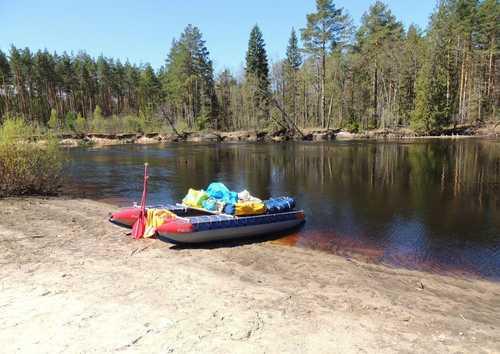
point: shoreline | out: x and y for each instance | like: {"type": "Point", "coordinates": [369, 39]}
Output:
{"type": "Point", "coordinates": [310, 134]}
{"type": "Point", "coordinates": [148, 296]}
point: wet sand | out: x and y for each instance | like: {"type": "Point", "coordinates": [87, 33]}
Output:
{"type": "Point", "coordinates": [72, 282]}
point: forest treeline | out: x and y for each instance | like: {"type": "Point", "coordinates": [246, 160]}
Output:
{"type": "Point", "coordinates": [377, 75]}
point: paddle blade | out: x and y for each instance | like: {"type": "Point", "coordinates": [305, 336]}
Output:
{"type": "Point", "coordinates": [139, 227]}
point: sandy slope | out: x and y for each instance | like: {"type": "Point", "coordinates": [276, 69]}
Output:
{"type": "Point", "coordinates": [72, 282]}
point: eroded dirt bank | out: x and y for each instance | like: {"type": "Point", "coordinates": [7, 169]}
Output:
{"type": "Point", "coordinates": [72, 282]}
{"type": "Point", "coordinates": [308, 134]}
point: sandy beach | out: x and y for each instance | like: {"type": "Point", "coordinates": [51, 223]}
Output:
{"type": "Point", "coordinates": [72, 282]}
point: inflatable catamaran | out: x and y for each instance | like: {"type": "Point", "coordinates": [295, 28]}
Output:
{"type": "Point", "coordinates": [214, 214]}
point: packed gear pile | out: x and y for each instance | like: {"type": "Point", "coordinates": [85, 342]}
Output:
{"type": "Point", "coordinates": [218, 198]}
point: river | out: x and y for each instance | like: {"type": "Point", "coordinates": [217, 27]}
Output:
{"type": "Point", "coordinates": [430, 205]}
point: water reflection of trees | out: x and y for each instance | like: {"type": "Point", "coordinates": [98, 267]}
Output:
{"type": "Point", "coordinates": [465, 169]}
{"type": "Point", "coordinates": [452, 172]}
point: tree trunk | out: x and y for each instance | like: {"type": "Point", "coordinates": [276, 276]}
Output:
{"type": "Point", "coordinates": [375, 95]}
{"type": "Point", "coordinates": [305, 104]}
{"type": "Point", "coordinates": [461, 89]}
{"type": "Point", "coordinates": [329, 112]}
{"type": "Point", "coordinates": [323, 80]}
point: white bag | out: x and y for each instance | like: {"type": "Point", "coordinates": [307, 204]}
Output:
{"type": "Point", "coordinates": [245, 196]}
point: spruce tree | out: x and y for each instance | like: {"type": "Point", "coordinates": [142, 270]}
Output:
{"type": "Point", "coordinates": [293, 56]}
{"type": "Point", "coordinates": [257, 73]}
{"type": "Point", "coordinates": [291, 68]}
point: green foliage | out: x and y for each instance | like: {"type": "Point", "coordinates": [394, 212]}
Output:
{"type": "Point", "coordinates": [149, 89]}
{"type": "Point", "coordinates": [378, 26]}
{"type": "Point", "coordinates": [27, 167]}
{"type": "Point", "coordinates": [352, 127]}
{"type": "Point", "coordinates": [421, 119]}
{"type": "Point", "coordinates": [98, 123]}
{"type": "Point", "coordinates": [431, 111]}
{"type": "Point", "coordinates": [202, 121]}
{"type": "Point", "coordinates": [80, 125]}
{"type": "Point", "coordinates": [142, 123]}
{"type": "Point", "coordinates": [133, 124]}
{"type": "Point", "coordinates": [411, 57]}
{"type": "Point", "coordinates": [69, 120]}
{"type": "Point", "coordinates": [53, 122]}
{"type": "Point", "coordinates": [14, 129]}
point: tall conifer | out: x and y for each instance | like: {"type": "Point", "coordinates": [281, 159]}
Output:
{"type": "Point", "coordinates": [326, 30]}
{"type": "Point", "coordinates": [257, 73]}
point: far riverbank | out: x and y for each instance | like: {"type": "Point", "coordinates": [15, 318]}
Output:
{"type": "Point", "coordinates": [310, 134]}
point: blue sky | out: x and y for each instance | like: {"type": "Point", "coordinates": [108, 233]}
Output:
{"type": "Point", "coordinates": [142, 31]}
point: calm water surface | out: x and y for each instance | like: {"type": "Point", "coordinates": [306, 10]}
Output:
{"type": "Point", "coordinates": [429, 205]}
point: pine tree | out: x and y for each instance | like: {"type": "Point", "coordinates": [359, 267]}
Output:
{"type": "Point", "coordinates": [132, 79]}
{"type": "Point", "coordinates": [257, 74]}
{"type": "Point", "coordinates": [5, 84]}
{"type": "Point", "coordinates": [20, 68]}
{"type": "Point", "coordinates": [488, 29]}
{"type": "Point", "coordinates": [104, 79]}
{"type": "Point", "coordinates": [327, 29]}
{"type": "Point", "coordinates": [118, 85]}
{"type": "Point", "coordinates": [225, 83]}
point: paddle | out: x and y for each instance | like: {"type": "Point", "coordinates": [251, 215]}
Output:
{"type": "Point", "coordinates": [140, 225]}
